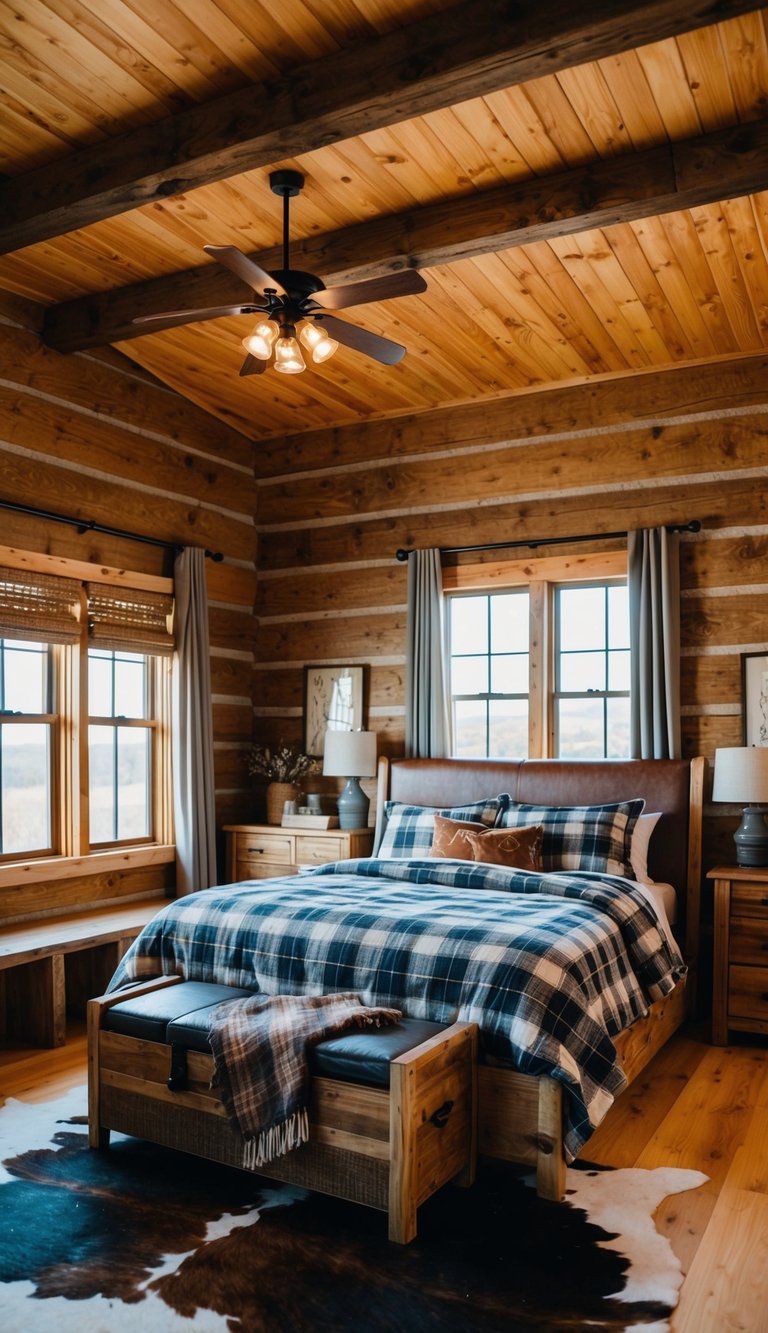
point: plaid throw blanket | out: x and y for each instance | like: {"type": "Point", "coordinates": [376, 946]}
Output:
{"type": "Point", "coordinates": [260, 1047]}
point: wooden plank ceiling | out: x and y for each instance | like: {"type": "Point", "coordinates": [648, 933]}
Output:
{"type": "Point", "coordinates": [585, 196]}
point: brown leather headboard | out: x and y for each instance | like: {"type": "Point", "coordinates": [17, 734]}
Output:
{"type": "Point", "coordinates": [664, 783]}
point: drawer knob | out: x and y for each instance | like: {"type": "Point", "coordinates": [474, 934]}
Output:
{"type": "Point", "coordinates": [255, 849]}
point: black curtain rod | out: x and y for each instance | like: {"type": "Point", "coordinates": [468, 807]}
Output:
{"type": "Point", "coordinates": [84, 525]}
{"type": "Point", "coordinates": [693, 526]}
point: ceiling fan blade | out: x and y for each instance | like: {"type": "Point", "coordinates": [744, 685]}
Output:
{"type": "Point", "coordinates": [245, 268]}
{"type": "Point", "coordinates": [252, 365]}
{"type": "Point", "coordinates": [169, 318]}
{"type": "Point", "coordinates": [360, 340]}
{"type": "Point", "coordinates": [405, 283]}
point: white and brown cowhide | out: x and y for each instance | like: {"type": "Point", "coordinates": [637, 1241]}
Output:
{"type": "Point", "coordinates": [140, 1237]}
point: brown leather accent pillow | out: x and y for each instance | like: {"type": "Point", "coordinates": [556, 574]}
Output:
{"type": "Point", "coordinates": [517, 848]}
{"type": "Point", "coordinates": [451, 838]}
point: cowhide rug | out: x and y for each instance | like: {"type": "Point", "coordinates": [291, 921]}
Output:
{"type": "Point", "coordinates": [141, 1238]}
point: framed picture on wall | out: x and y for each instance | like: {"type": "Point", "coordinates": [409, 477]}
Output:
{"type": "Point", "coordinates": [333, 701]}
{"type": "Point", "coordinates": [754, 696]}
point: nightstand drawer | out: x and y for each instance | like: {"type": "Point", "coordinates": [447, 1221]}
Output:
{"type": "Point", "coordinates": [749, 898]}
{"type": "Point", "coordinates": [311, 850]}
{"type": "Point", "coordinates": [748, 993]}
{"type": "Point", "coordinates": [274, 847]}
{"type": "Point", "coordinates": [748, 942]}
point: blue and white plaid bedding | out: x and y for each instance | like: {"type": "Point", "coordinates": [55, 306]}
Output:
{"type": "Point", "coordinates": [549, 966]}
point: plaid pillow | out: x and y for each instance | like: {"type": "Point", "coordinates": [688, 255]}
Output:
{"type": "Point", "coordinates": [581, 837]}
{"type": "Point", "coordinates": [409, 829]}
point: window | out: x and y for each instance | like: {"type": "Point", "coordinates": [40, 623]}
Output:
{"type": "Point", "coordinates": [489, 674]}
{"type": "Point", "coordinates": [28, 736]}
{"type": "Point", "coordinates": [542, 667]}
{"type": "Point", "coordinates": [84, 714]}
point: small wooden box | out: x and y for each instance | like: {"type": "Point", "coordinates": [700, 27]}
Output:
{"type": "Point", "coordinates": [387, 1148]}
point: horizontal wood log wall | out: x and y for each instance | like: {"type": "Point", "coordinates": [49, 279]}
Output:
{"type": "Point", "coordinates": [92, 436]}
{"type": "Point", "coordinates": [334, 505]}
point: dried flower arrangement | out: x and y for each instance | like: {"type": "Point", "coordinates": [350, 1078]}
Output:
{"type": "Point", "coordinates": [284, 763]}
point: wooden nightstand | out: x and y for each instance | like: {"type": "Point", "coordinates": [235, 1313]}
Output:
{"type": "Point", "coordinates": [740, 976]}
{"type": "Point", "coordinates": [259, 851]}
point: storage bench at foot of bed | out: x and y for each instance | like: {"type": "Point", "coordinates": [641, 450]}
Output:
{"type": "Point", "coordinates": [389, 1146]}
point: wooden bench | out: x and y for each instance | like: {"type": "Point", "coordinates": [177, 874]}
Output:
{"type": "Point", "coordinates": [392, 1116]}
{"type": "Point", "coordinates": [57, 963]}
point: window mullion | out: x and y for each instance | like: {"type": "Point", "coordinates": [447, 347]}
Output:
{"type": "Point", "coordinates": [538, 669]}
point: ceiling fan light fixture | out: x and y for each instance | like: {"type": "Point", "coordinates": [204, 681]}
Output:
{"type": "Point", "coordinates": [320, 344]}
{"type": "Point", "coordinates": [259, 343]}
{"type": "Point", "coordinates": [288, 358]}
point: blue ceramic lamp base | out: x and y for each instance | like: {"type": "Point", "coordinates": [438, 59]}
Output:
{"type": "Point", "coordinates": [353, 805]}
{"type": "Point", "coordinates": [751, 837]}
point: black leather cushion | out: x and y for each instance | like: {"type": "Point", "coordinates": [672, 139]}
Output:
{"type": "Point", "coordinates": [191, 1030]}
{"type": "Point", "coordinates": [148, 1015]}
{"type": "Point", "coordinates": [363, 1055]}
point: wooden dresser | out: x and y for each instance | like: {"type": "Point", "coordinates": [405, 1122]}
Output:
{"type": "Point", "coordinates": [259, 851]}
{"type": "Point", "coordinates": [740, 973]}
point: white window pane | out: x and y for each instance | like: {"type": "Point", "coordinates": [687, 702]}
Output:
{"type": "Point", "coordinates": [582, 671]}
{"type": "Point", "coordinates": [469, 729]}
{"type": "Point", "coordinates": [580, 728]}
{"type": "Point", "coordinates": [618, 729]}
{"type": "Point", "coordinates": [618, 671]}
{"type": "Point", "coordinates": [103, 793]}
{"type": "Point", "coordinates": [469, 624]}
{"type": "Point", "coordinates": [509, 623]}
{"type": "Point", "coordinates": [26, 794]}
{"type": "Point", "coordinates": [469, 675]}
{"type": "Point", "coordinates": [133, 783]}
{"type": "Point", "coordinates": [130, 686]}
{"type": "Point", "coordinates": [25, 677]}
{"type": "Point", "coordinates": [618, 617]}
{"type": "Point", "coordinates": [509, 674]}
{"type": "Point", "coordinates": [100, 684]}
{"type": "Point", "coordinates": [582, 618]}
{"type": "Point", "coordinates": [508, 728]}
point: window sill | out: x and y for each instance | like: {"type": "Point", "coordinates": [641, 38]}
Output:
{"type": "Point", "coordinates": [74, 867]}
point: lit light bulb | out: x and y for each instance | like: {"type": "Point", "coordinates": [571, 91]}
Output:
{"type": "Point", "coordinates": [288, 358]}
{"type": "Point", "coordinates": [318, 341]}
{"type": "Point", "coordinates": [259, 342]}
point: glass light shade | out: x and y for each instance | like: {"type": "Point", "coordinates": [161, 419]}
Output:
{"type": "Point", "coordinates": [321, 345]}
{"type": "Point", "coordinates": [259, 342]}
{"type": "Point", "coordinates": [288, 358]}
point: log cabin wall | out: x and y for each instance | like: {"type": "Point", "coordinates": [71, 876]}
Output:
{"type": "Point", "coordinates": [636, 451]}
{"type": "Point", "coordinates": [93, 436]}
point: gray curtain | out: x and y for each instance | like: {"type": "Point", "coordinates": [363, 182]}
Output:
{"type": "Point", "coordinates": [427, 717]}
{"type": "Point", "coordinates": [654, 631]}
{"type": "Point", "coordinates": [193, 778]}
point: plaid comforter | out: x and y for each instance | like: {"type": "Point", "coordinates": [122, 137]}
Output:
{"type": "Point", "coordinates": [550, 966]}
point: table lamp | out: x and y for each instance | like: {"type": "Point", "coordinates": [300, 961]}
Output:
{"type": "Point", "coordinates": [741, 776]}
{"type": "Point", "coordinates": [351, 755]}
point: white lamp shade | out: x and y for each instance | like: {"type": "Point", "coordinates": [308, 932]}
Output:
{"type": "Point", "coordinates": [349, 754]}
{"type": "Point", "coordinates": [741, 775]}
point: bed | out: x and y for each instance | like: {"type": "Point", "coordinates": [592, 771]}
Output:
{"type": "Point", "coordinates": [453, 939]}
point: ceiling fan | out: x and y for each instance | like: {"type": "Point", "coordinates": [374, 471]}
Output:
{"type": "Point", "coordinates": [289, 298]}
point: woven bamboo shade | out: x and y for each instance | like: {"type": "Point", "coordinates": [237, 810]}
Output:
{"type": "Point", "coordinates": [129, 619]}
{"type": "Point", "coordinates": [39, 606]}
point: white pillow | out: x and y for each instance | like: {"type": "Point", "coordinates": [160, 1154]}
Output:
{"type": "Point", "coordinates": [638, 851]}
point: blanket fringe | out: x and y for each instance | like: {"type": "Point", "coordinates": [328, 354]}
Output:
{"type": "Point", "coordinates": [275, 1142]}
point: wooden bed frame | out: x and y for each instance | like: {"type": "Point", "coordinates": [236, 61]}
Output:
{"type": "Point", "coordinates": [521, 1116]}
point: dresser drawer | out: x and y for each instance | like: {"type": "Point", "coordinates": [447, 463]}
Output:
{"type": "Point", "coordinates": [749, 898]}
{"type": "Point", "coordinates": [748, 993]}
{"type": "Point", "coordinates": [748, 942]}
{"type": "Point", "coordinates": [274, 847]}
{"type": "Point", "coordinates": [311, 850]}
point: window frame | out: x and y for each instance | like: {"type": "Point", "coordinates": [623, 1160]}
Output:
{"type": "Point", "coordinates": [540, 576]}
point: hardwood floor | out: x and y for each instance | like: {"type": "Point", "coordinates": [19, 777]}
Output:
{"type": "Point", "coordinates": [696, 1106]}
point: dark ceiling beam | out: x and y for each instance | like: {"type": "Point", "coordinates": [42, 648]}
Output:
{"type": "Point", "coordinates": [466, 52]}
{"type": "Point", "coordinates": [727, 164]}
